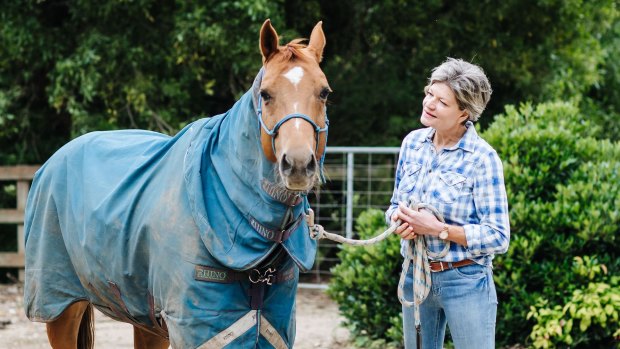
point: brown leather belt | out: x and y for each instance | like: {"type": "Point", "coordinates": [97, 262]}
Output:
{"type": "Point", "coordinates": [437, 266]}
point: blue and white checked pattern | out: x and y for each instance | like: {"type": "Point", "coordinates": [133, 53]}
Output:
{"type": "Point", "coordinates": [465, 183]}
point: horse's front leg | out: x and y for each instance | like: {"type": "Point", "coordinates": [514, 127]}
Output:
{"type": "Point", "coordinates": [146, 340]}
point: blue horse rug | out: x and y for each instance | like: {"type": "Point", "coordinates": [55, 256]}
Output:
{"type": "Point", "coordinates": [187, 229]}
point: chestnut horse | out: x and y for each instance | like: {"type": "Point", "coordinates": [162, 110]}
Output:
{"type": "Point", "coordinates": [85, 236]}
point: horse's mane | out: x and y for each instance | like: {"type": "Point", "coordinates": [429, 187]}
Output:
{"type": "Point", "coordinates": [292, 51]}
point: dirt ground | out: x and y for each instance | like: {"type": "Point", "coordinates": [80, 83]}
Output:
{"type": "Point", "coordinates": [317, 324]}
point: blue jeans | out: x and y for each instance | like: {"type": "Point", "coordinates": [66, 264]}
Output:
{"type": "Point", "coordinates": [464, 299]}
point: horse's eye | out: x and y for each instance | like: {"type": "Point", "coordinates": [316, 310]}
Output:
{"type": "Point", "coordinates": [324, 93]}
{"type": "Point", "coordinates": [265, 96]}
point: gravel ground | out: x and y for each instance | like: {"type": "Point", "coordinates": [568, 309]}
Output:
{"type": "Point", "coordinates": [317, 324]}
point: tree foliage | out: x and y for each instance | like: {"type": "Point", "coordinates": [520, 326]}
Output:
{"type": "Point", "coordinates": [72, 67]}
{"type": "Point", "coordinates": [381, 55]}
{"type": "Point", "coordinates": [67, 68]}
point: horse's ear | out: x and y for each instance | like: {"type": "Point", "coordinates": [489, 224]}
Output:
{"type": "Point", "coordinates": [268, 40]}
{"type": "Point", "coordinates": [317, 41]}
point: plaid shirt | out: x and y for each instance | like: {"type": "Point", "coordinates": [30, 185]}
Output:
{"type": "Point", "coordinates": [465, 183]}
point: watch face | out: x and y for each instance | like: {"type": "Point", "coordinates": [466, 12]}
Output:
{"type": "Point", "coordinates": [443, 235]}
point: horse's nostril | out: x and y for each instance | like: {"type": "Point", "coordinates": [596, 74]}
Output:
{"type": "Point", "coordinates": [291, 166]}
{"type": "Point", "coordinates": [285, 166]}
{"type": "Point", "coordinates": [311, 167]}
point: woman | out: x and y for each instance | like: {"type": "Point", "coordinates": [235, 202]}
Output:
{"type": "Point", "coordinates": [448, 166]}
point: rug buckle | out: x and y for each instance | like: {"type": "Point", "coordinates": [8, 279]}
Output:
{"type": "Point", "coordinates": [268, 276]}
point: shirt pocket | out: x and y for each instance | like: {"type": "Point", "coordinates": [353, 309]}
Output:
{"type": "Point", "coordinates": [449, 186]}
{"type": "Point", "coordinates": [411, 170]}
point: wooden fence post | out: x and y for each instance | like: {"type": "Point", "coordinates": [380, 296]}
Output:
{"type": "Point", "coordinates": [22, 175]}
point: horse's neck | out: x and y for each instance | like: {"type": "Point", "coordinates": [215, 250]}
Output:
{"type": "Point", "coordinates": [242, 140]}
{"type": "Point", "coordinates": [237, 159]}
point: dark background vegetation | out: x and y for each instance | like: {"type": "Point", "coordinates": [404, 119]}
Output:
{"type": "Point", "coordinates": [69, 67]}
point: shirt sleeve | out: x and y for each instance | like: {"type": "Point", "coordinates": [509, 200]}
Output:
{"type": "Point", "coordinates": [492, 234]}
{"type": "Point", "coordinates": [397, 178]}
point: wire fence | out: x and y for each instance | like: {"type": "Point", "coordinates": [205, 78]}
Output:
{"type": "Point", "coordinates": [358, 179]}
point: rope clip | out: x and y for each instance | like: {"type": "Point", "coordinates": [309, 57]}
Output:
{"type": "Point", "coordinates": [268, 276]}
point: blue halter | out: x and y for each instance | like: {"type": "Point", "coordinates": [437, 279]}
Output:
{"type": "Point", "coordinates": [274, 131]}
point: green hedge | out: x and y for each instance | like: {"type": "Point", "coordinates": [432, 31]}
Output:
{"type": "Point", "coordinates": [562, 182]}
{"type": "Point", "coordinates": [364, 285]}
{"type": "Point", "coordinates": [555, 284]}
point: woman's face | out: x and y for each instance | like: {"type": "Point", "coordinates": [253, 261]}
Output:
{"type": "Point", "coordinates": [440, 109]}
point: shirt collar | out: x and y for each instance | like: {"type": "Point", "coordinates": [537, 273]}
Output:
{"type": "Point", "coordinates": [466, 142]}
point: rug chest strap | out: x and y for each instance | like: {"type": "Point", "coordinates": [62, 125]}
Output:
{"type": "Point", "coordinates": [276, 235]}
{"type": "Point", "coordinates": [280, 194]}
{"type": "Point", "coordinates": [227, 276]}
{"type": "Point", "coordinates": [259, 278]}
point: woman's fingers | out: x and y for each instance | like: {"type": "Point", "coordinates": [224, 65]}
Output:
{"type": "Point", "coordinates": [404, 216]}
{"type": "Point", "coordinates": [405, 213]}
{"type": "Point", "coordinates": [405, 209]}
{"type": "Point", "coordinates": [408, 234]}
{"type": "Point", "coordinates": [405, 231]}
{"type": "Point", "coordinates": [401, 228]}
{"type": "Point", "coordinates": [395, 216]}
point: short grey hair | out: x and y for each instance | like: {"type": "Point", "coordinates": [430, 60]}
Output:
{"type": "Point", "coordinates": [468, 82]}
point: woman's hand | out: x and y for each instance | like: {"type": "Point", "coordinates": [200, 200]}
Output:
{"type": "Point", "coordinates": [403, 230]}
{"type": "Point", "coordinates": [422, 222]}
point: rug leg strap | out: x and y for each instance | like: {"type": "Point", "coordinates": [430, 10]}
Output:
{"type": "Point", "coordinates": [271, 334]}
{"type": "Point", "coordinates": [233, 332]}
{"type": "Point", "coordinates": [240, 327]}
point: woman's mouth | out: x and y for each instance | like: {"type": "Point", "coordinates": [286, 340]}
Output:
{"type": "Point", "coordinates": [428, 115]}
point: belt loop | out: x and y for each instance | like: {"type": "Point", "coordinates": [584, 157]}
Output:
{"type": "Point", "coordinates": [441, 265]}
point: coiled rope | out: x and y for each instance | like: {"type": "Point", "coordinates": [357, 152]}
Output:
{"type": "Point", "coordinates": [417, 254]}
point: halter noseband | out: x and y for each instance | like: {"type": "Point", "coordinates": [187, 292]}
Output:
{"type": "Point", "coordinates": [274, 131]}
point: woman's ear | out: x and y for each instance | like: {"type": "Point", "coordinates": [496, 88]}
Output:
{"type": "Point", "coordinates": [464, 117]}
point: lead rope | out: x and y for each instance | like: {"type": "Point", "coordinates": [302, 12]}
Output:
{"type": "Point", "coordinates": [417, 254]}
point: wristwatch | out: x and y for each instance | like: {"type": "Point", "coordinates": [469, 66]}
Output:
{"type": "Point", "coordinates": [443, 234]}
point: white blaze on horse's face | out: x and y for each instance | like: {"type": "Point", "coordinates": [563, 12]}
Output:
{"type": "Point", "coordinates": [294, 83]}
{"type": "Point", "coordinates": [295, 75]}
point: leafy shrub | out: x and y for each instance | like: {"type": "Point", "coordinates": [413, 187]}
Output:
{"type": "Point", "coordinates": [364, 285]}
{"type": "Point", "coordinates": [563, 194]}
{"type": "Point", "coordinates": [587, 318]}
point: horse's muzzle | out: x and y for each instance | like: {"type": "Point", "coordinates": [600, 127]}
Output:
{"type": "Point", "coordinates": [299, 172]}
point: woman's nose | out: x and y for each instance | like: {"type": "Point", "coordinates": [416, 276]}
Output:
{"type": "Point", "coordinates": [431, 103]}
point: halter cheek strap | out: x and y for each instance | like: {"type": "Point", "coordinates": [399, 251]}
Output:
{"type": "Point", "coordinates": [272, 133]}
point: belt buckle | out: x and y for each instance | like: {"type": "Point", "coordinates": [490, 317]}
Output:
{"type": "Point", "coordinates": [440, 266]}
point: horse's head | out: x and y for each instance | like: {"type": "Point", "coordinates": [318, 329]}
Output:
{"type": "Point", "coordinates": [293, 94]}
